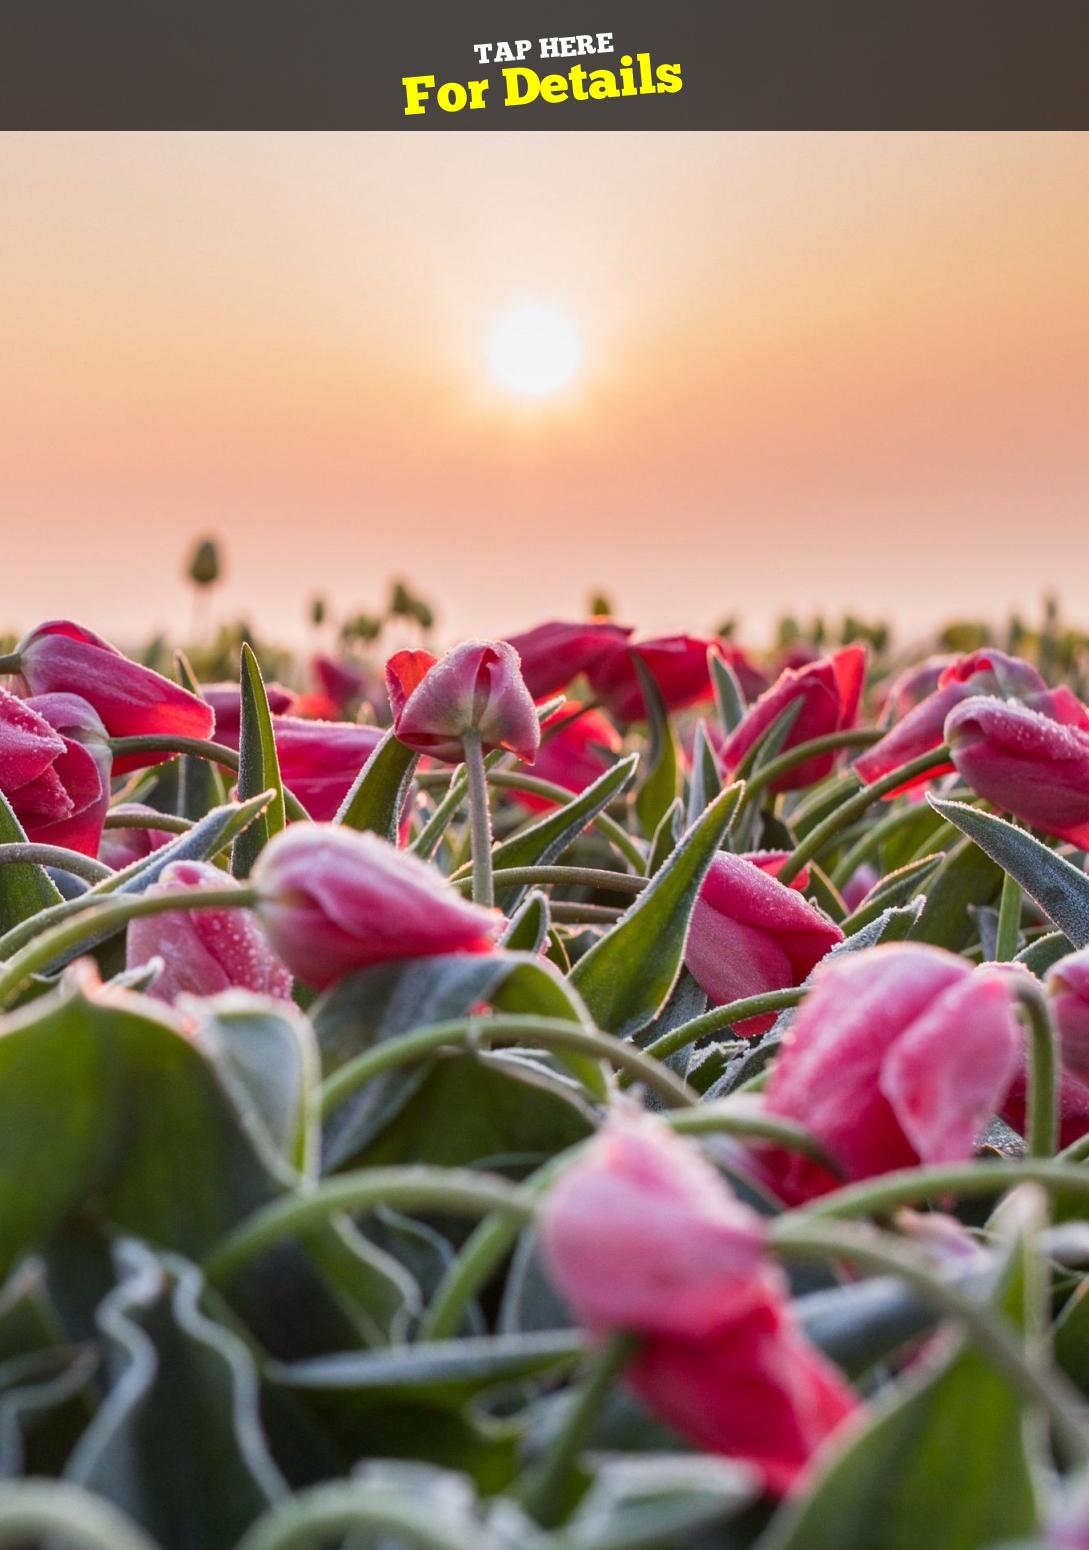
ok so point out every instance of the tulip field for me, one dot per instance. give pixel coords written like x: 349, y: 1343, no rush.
x: 574, y: 1091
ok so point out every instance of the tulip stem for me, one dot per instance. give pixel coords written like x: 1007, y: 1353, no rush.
x: 97, y: 921
x: 460, y: 1191
x: 855, y: 806
x: 720, y: 1017
x: 480, y: 819
x: 831, y: 742
x: 927, y: 1186
x: 571, y: 876
x: 10, y: 662
x: 797, y: 1236
x: 36, y: 1510
x: 320, y: 1514
x: 545, y: 1494
x: 71, y: 861
x: 169, y: 823
x: 504, y: 1028
x: 199, y: 748
x: 1009, y: 920
x: 1042, y: 1109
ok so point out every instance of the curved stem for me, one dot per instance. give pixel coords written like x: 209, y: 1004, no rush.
x: 501, y: 1027
x: 200, y: 748
x: 71, y: 861
x: 545, y: 1497
x: 797, y: 1236
x: 618, y: 836
x: 1009, y: 920
x: 457, y: 1190
x: 871, y: 840
x: 851, y: 809
x: 925, y: 1186
x: 480, y: 819
x: 108, y: 917
x: 571, y: 876
x: 567, y: 912
x: 326, y: 1512
x: 1042, y: 1108
x: 720, y: 1017
x: 31, y: 1510
x: 735, y: 1116
x: 169, y: 823
x: 767, y: 774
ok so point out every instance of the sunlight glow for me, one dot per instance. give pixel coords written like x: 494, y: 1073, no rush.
x: 534, y: 350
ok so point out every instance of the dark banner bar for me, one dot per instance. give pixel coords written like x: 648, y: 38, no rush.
x: 599, y: 64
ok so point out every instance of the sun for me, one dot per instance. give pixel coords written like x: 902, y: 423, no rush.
x: 534, y: 350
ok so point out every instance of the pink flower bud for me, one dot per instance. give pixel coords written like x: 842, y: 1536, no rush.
x: 641, y: 1235
x: 203, y: 951
x: 1025, y: 763
x: 55, y: 768
x: 1068, y: 992
x: 476, y: 687
x: 132, y: 701
x: 829, y: 691
x: 333, y: 900
x: 553, y: 654
x: 319, y: 760
x: 582, y: 747
x: 751, y: 934
x: 121, y: 846
x: 898, y: 1056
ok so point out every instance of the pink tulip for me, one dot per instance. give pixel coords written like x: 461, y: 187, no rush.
x: 122, y: 846
x: 922, y: 728
x: 1025, y: 763
x: 861, y: 881
x: 1068, y: 992
x: 340, y: 682
x: 642, y: 1236
x: 203, y: 951
x: 749, y: 934
x: 677, y: 663
x: 55, y: 768
x: 333, y: 900
x: 898, y: 1056
x: 584, y: 746
x: 476, y: 687
x: 829, y: 691
x: 133, y: 701
x: 555, y: 653
x: 319, y: 760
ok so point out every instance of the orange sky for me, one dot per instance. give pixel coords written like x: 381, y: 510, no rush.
x: 820, y: 371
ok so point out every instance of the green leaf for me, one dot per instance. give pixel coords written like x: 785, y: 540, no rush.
x: 893, y: 889
x: 703, y: 782
x: 649, y: 1500
x: 626, y: 977
x: 965, y: 879
x: 258, y: 767
x: 528, y: 926
x: 729, y: 695
x: 1040, y: 955
x: 373, y: 1005
x: 546, y: 840
x: 200, y: 784
x: 24, y: 888
x: 378, y: 793
x: 659, y: 785
x: 178, y: 1443
x: 666, y: 837
x: 1059, y: 888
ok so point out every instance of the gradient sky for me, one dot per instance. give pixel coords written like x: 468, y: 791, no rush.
x: 821, y: 371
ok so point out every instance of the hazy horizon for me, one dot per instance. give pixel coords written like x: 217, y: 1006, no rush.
x: 819, y: 372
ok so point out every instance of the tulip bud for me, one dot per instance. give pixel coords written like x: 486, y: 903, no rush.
x: 828, y: 690
x: 132, y: 700
x: 1068, y: 993
x: 1025, y: 763
x: 477, y: 687
x: 677, y: 663
x: 898, y: 1056
x: 333, y: 900
x: 642, y: 1236
x: 55, y: 768
x: 750, y: 934
x: 553, y: 654
x: 203, y: 951
x: 121, y: 846
x: 319, y: 760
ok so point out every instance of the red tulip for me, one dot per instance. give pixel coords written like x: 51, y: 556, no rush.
x: 642, y: 1236
x: 203, y: 951
x: 319, y: 760
x: 1024, y: 763
x: 122, y: 846
x: 333, y: 900
x: 553, y: 654
x: 63, y: 658
x: 55, y: 768
x: 829, y: 691
x: 979, y: 673
x: 476, y: 687
x: 751, y: 934
x: 584, y: 746
x: 897, y: 1056
x: 340, y: 683
x: 677, y: 663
